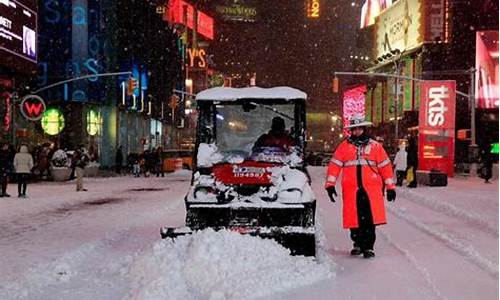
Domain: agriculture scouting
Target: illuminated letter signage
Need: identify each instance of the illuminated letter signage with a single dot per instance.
(312, 8)
(32, 107)
(197, 58)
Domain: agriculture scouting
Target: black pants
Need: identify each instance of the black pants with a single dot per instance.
(4, 180)
(400, 176)
(363, 236)
(22, 183)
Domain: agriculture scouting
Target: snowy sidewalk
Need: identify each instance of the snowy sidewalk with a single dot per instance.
(438, 243)
(467, 198)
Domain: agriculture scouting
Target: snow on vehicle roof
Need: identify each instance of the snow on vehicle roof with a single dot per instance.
(227, 93)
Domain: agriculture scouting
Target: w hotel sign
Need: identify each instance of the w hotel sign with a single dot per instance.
(408, 24)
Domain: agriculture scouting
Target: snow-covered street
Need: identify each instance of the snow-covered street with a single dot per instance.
(439, 243)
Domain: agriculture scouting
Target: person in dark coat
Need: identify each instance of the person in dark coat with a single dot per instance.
(159, 162)
(412, 161)
(276, 137)
(486, 164)
(5, 168)
(81, 160)
(119, 160)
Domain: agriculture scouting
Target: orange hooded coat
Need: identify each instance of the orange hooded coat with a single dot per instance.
(376, 170)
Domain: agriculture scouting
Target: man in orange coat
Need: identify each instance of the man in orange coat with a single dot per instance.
(366, 169)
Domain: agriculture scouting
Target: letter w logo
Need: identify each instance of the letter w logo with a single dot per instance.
(33, 109)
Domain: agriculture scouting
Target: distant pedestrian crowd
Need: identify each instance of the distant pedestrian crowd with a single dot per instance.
(23, 165)
(144, 163)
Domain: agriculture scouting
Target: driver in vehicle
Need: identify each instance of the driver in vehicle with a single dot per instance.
(276, 137)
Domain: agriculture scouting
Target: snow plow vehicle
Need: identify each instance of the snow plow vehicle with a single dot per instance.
(249, 172)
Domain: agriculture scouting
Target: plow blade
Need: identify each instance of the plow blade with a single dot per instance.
(299, 240)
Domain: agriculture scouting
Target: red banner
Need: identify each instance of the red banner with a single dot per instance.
(436, 147)
(175, 14)
(248, 172)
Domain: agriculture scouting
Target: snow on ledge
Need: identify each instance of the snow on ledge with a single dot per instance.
(227, 93)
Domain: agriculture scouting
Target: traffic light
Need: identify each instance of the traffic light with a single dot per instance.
(335, 85)
(132, 84)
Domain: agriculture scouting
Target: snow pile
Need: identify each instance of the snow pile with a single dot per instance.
(208, 155)
(60, 159)
(291, 184)
(221, 265)
(227, 93)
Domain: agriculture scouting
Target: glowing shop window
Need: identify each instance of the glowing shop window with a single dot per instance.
(52, 121)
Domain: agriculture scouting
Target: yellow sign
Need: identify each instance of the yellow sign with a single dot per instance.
(94, 122)
(312, 8)
(197, 58)
(400, 27)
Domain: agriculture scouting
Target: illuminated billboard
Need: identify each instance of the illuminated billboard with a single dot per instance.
(178, 10)
(371, 9)
(407, 24)
(353, 103)
(487, 69)
(237, 11)
(18, 30)
(436, 126)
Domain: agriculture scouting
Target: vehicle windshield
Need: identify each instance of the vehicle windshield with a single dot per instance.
(239, 127)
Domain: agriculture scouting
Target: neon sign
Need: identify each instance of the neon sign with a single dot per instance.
(199, 55)
(32, 107)
(175, 14)
(94, 122)
(354, 103)
(312, 8)
(52, 121)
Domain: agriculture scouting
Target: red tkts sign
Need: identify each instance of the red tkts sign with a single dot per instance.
(436, 146)
(248, 172)
(437, 106)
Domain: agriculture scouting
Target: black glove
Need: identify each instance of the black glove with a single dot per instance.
(391, 195)
(331, 192)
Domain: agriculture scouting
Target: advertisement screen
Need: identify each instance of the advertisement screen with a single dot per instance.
(487, 69)
(18, 30)
(371, 9)
(353, 103)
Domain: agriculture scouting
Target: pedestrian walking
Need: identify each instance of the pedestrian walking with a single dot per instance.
(119, 160)
(412, 163)
(5, 169)
(23, 164)
(159, 162)
(81, 160)
(400, 164)
(366, 169)
(486, 163)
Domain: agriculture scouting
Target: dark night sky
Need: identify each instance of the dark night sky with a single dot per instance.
(285, 48)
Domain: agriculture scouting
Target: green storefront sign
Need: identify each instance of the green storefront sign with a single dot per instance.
(377, 103)
(368, 105)
(408, 84)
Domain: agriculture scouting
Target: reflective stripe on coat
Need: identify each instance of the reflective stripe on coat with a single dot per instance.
(376, 169)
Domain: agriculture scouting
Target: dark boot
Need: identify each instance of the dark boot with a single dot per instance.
(356, 251)
(368, 254)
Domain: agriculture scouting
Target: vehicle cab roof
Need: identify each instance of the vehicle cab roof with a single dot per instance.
(233, 94)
